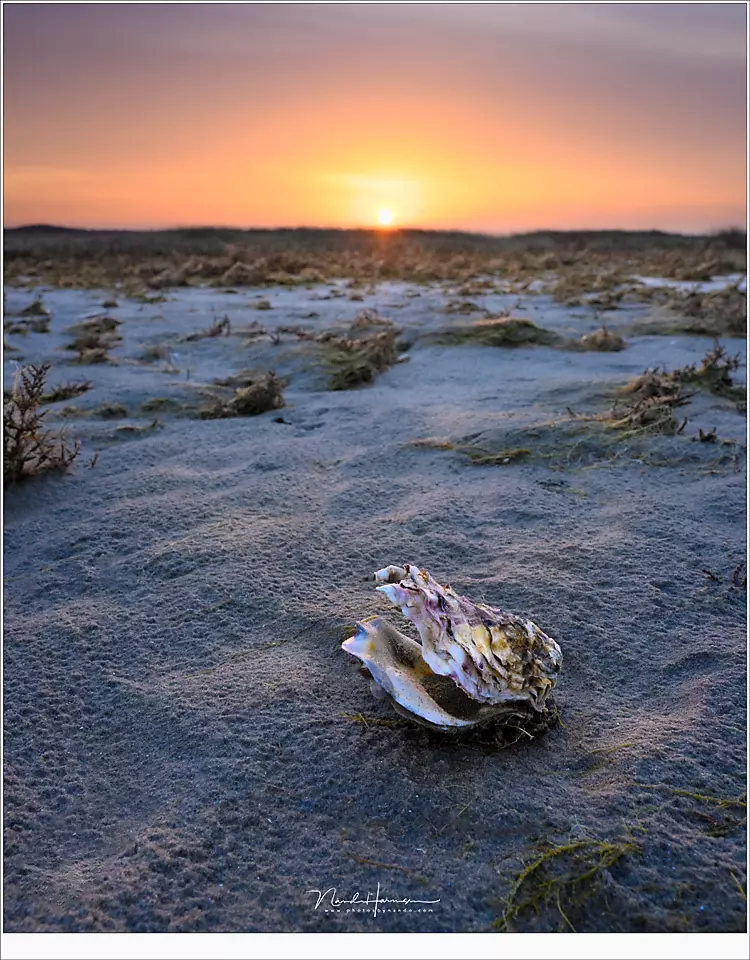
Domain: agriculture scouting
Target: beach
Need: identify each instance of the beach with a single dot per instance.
(187, 747)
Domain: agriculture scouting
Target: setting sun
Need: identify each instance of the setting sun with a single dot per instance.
(455, 126)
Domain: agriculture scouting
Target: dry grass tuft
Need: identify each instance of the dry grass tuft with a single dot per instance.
(132, 431)
(462, 306)
(160, 405)
(94, 338)
(160, 352)
(110, 411)
(28, 448)
(243, 274)
(27, 325)
(219, 328)
(653, 383)
(602, 339)
(354, 362)
(301, 333)
(33, 318)
(714, 312)
(369, 320)
(650, 409)
(35, 309)
(577, 283)
(65, 391)
(255, 396)
(715, 373)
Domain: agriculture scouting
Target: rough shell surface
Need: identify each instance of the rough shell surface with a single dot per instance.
(475, 662)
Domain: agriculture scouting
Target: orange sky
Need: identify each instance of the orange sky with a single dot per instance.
(495, 118)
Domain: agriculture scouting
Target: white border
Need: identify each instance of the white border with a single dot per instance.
(186, 946)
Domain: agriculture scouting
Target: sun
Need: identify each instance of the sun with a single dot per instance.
(385, 217)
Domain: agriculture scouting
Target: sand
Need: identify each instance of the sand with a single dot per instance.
(184, 739)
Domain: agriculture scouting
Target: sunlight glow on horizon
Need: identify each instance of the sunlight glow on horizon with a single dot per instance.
(444, 117)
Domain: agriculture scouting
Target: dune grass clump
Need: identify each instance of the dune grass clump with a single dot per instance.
(65, 391)
(647, 407)
(133, 431)
(714, 373)
(12, 328)
(241, 274)
(155, 353)
(292, 330)
(94, 338)
(91, 355)
(648, 414)
(654, 383)
(219, 328)
(159, 405)
(259, 395)
(369, 320)
(603, 340)
(714, 312)
(652, 399)
(110, 411)
(150, 298)
(35, 309)
(354, 362)
(243, 378)
(476, 287)
(169, 277)
(497, 332)
(462, 306)
(27, 325)
(558, 882)
(105, 411)
(28, 447)
(606, 299)
(38, 324)
(577, 284)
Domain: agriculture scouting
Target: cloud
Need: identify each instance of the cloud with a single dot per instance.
(36, 175)
(710, 30)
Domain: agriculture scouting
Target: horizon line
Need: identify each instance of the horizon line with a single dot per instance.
(716, 231)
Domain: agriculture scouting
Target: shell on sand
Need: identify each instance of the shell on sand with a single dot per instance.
(475, 663)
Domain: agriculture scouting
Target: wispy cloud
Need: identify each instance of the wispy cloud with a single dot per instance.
(35, 175)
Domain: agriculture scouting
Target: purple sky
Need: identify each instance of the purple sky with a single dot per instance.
(493, 117)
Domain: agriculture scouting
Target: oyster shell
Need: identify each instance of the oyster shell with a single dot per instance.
(475, 663)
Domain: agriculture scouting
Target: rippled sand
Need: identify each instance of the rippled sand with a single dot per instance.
(187, 747)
